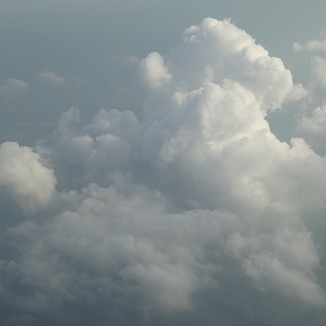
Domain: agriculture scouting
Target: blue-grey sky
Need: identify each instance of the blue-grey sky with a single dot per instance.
(162, 162)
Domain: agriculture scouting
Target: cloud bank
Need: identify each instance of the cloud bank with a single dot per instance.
(189, 209)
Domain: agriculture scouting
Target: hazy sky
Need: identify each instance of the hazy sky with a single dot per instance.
(163, 163)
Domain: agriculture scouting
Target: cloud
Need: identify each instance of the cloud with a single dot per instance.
(312, 127)
(287, 264)
(194, 61)
(23, 175)
(14, 87)
(312, 46)
(319, 70)
(50, 79)
(316, 124)
(316, 49)
(311, 122)
(152, 71)
(161, 217)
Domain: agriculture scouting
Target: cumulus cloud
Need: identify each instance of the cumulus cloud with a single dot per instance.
(14, 87)
(153, 72)
(286, 264)
(23, 175)
(312, 127)
(311, 122)
(240, 59)
(312, 46)
(159, 216)
(319, 71)
(50, 79)
(316, 49)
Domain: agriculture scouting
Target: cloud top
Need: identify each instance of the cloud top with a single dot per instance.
(217, 50)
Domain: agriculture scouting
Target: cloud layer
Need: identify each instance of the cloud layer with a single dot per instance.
(163, 216)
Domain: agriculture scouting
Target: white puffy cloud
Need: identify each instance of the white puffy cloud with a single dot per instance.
(153, 72)
(158, 215)
(218, 50)
(24, 176)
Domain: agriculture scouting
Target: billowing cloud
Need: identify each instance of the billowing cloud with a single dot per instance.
(240, 59)
(23, 175)
(159, 218)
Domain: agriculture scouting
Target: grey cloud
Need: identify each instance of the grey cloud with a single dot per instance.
(316, 51)
(286, 264)
(312, 46)
(311, 121)
(319, 71)
(312, 127)
(13, 87)
(50, 79)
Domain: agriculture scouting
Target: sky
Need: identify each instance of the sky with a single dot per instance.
(162, 163)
